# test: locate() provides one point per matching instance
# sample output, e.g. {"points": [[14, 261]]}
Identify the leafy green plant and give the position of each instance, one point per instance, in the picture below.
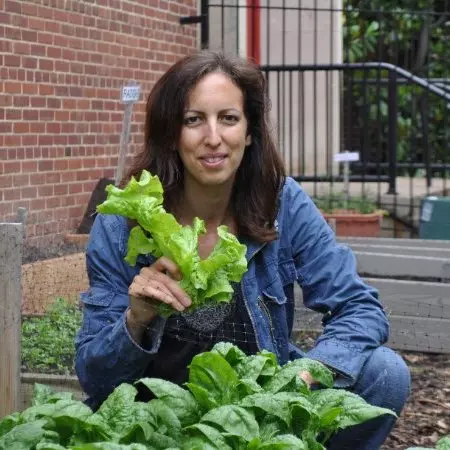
{"points": [[159, 233], [231, 402], [407, 33], [338, 202], [442, 444], [48, 341]]}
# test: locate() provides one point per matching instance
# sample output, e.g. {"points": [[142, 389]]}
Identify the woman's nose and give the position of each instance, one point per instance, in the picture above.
{"points": [[212, 137]]}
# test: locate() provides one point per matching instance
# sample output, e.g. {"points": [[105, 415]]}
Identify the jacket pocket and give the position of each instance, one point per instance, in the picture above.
{"points": [[97, 296], [101, 307]]}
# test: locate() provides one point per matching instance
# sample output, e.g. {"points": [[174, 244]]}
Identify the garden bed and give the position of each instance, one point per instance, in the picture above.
{"points": [[59, 383]]}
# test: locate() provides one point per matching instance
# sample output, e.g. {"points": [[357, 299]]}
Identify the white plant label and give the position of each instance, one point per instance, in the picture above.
{"points": [[346, 156], [130, 94]]}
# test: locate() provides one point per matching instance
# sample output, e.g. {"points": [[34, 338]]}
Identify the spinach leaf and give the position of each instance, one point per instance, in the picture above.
{"points": [[230, 352], [23, 437], [286, 379], [283, 442], [319, 372], [9, 422], [273, 404], [175, 397], [211, 372], [117, 411], [209, 436], [234, 420]]}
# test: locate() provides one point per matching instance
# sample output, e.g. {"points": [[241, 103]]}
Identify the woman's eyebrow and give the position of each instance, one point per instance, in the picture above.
{"points": [[193, 110]]}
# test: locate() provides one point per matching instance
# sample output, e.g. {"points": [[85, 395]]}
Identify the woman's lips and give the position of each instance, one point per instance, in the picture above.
{"points": [[213, 162]]}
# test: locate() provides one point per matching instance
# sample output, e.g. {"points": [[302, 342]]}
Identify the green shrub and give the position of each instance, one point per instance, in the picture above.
{"points": [[48, 341], [337, 201]]}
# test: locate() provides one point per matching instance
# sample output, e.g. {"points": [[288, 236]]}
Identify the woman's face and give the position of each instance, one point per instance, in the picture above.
{"points": [[214, 132]]}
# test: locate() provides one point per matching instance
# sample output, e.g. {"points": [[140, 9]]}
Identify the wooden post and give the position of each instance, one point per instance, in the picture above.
{"points": [[11, 237]]}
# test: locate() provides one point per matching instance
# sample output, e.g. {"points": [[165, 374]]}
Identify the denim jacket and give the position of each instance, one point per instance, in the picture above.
{"points": [[306, 252]]}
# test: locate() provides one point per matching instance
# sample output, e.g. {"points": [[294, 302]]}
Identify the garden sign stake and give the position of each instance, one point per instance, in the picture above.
{"points": [[129, 95], [346, 158]]}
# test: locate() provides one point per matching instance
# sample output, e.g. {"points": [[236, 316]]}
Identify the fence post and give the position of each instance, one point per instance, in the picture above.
{"points": [[392, 132], [11, 237]]}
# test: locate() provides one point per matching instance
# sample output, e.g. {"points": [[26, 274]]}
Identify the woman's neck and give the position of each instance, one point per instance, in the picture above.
{"points": [[210, 203]]}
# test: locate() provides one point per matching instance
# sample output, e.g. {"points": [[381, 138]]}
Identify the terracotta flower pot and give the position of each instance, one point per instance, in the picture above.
{"points": [[350, 223]]}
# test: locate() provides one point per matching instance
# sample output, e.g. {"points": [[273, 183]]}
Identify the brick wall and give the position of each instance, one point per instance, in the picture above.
{"points": [[62, 64]]}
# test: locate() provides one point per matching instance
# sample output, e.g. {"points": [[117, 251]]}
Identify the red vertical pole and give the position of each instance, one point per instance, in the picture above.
{"points": [[254, 30]]}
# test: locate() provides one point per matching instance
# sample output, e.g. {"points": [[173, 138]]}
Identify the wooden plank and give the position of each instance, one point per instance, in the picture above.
{"points": [[11, 236], [401, 250], [384, 264], [407, 298], [413, 298], [406, 333], [428, 243]]}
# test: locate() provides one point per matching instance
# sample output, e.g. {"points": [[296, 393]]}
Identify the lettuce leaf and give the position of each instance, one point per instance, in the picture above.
{"points": [[158, 233]]}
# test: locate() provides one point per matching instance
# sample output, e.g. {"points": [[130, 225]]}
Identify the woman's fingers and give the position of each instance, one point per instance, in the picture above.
{"points": [[307, 378], [151, 291], [157, 284], [165, 281], [165, 265]]}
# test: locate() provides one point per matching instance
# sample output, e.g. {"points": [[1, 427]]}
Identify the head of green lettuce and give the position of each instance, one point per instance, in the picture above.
{"points": [[159, 233]]}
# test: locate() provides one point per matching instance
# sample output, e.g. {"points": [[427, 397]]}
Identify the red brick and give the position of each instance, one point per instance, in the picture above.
{"points": [[11, 194], [45, 165], [28, 192], [12, 61], [21, 127], [11, 167], [5, 181], [29, 166], [45, 190], [13, 6], [11, 87]]}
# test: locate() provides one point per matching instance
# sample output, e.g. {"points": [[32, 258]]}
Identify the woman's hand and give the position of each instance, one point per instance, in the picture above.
{"points": [[307, 378], [155, 284]]}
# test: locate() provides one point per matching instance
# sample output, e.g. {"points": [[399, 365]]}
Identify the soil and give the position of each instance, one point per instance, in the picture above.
{"points": [[426, 416]]}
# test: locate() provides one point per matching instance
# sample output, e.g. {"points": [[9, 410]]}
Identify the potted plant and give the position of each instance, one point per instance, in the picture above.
{"points": [[351, 216]]}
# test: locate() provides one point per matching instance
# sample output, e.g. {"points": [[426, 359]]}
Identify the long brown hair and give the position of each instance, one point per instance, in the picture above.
{"points": [[261, 174]]}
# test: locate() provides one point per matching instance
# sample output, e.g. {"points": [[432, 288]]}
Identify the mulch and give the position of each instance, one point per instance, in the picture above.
{"points": [[426, 416]]}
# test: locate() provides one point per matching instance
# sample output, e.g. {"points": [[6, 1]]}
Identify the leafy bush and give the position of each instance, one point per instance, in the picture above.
{"points": [[48, 341], [334, 202], [232, 401]]}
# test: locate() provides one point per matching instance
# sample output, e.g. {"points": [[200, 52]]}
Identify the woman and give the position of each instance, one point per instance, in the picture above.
{"points": [[207, 138]]}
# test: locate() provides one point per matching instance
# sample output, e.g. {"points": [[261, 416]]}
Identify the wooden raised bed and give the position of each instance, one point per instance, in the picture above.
{"points": [[59, 383]]}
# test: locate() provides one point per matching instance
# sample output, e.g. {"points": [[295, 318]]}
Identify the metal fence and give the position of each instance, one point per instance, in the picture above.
{"points": [[360, 76]]}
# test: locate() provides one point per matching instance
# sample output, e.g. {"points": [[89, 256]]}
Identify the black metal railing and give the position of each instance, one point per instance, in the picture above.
{"points": [[396, 75]]}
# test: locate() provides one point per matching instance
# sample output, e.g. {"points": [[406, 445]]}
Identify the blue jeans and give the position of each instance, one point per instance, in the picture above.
{"points": [[384, 381]]}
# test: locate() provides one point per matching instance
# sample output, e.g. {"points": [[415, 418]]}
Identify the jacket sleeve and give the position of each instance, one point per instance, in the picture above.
{"points": [[106, 355], [353, 318]]}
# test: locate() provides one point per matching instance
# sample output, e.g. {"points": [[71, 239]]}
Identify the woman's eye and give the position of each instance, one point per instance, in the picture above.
{"points": [[192, 120], [230, 118]]}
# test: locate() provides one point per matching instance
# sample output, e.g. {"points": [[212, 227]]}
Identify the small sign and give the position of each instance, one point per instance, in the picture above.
{"points": [[130, 94], [427, 211], [346, 156]]}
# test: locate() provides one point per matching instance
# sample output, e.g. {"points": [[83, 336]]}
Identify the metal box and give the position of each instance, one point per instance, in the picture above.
{"points": [[435, 218]]}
